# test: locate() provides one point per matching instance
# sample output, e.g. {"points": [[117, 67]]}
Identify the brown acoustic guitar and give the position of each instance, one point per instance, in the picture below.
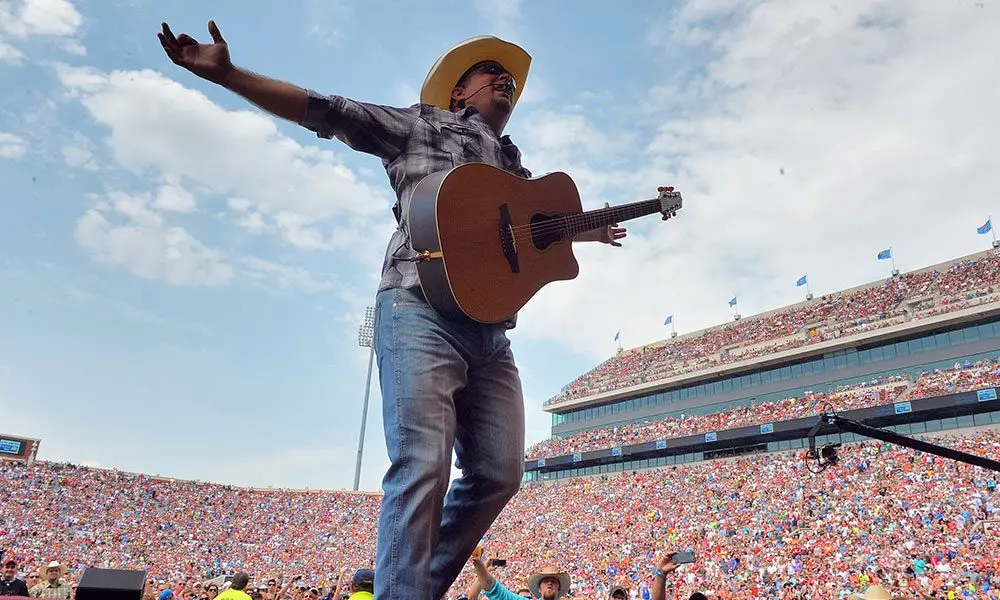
{"points": [[487, 240]]}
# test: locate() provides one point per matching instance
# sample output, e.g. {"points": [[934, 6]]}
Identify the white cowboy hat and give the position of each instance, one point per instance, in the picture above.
{"points": [[445, 73], [873, 592], [617, 588], [63, 569], [562, 576]]}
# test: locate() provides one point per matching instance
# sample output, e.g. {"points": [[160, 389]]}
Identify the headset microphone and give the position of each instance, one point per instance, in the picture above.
{"points": [[505, 87]]}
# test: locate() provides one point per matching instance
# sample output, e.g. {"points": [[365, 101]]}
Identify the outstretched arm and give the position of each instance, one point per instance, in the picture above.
{"points": [[212, 63], [379, 130]]}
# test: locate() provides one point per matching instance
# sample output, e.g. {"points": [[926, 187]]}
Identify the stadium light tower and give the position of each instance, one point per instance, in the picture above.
{"points": [[366, 334]]}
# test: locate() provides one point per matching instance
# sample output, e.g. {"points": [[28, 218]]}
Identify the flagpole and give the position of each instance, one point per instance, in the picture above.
{"points": [[993, 229]]}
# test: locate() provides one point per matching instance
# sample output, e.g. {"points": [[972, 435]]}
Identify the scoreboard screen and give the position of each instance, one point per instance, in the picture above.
{"points": [[8, 446], [15, 447]]}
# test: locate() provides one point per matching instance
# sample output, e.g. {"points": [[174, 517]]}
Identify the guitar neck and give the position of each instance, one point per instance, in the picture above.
{"points": [[602, 217]]}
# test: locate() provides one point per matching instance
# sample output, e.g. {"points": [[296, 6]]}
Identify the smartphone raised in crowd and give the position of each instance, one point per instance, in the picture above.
{"points": [[682, 558]]}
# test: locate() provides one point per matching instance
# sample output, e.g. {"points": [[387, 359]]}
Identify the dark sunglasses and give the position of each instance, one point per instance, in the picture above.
{"points": [[489, 68]]}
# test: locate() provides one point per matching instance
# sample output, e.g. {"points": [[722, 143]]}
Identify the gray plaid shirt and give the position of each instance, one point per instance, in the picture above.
{"points": [[412, 143]]}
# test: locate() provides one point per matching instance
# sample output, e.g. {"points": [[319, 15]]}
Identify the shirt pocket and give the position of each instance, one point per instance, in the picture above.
{"points": [[464, 143]]}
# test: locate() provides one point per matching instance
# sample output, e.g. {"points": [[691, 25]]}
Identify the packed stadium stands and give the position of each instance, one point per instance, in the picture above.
{"points": [[884, 390], [910, 296], [762, 526], [757, 525]]}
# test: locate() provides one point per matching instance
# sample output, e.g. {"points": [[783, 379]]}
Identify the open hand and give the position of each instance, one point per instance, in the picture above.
{"points": [[208, 61]]}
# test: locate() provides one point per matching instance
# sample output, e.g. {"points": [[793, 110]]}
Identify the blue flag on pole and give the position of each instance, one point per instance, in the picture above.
{"points": [[732, 302], [617, 335], [670, 319], [801, 282], [986, 227], [887, 253]]}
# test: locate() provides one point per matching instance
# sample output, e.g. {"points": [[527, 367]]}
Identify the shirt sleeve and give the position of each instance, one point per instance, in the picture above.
{"points": [[499, 592], [371, 128]]}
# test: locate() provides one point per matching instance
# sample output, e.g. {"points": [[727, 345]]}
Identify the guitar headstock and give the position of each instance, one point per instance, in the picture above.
{"points": [[670, 201]]}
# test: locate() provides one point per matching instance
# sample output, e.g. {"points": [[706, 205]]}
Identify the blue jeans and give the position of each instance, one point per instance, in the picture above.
{"points": [[446, 385]]}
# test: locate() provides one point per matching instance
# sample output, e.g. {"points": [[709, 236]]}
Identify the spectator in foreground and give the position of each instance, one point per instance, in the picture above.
{"points": [[237, 589], [548, 584], [478, 584], [665, 566], [10, 585], [53, 586], [873, 592], [362, 585]]}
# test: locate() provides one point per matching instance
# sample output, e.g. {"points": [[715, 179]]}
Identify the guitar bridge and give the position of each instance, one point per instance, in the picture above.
{"points": [[507, 240]]}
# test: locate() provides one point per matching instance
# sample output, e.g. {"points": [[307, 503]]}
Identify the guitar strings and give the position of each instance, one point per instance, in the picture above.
{"points": [[522, 232]]}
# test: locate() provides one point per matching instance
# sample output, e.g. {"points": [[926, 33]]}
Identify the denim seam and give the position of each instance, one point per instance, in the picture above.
{"points": [[404, 471]]}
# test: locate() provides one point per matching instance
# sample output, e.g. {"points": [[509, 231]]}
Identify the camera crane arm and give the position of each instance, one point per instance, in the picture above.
{"points": [[829, 452]]}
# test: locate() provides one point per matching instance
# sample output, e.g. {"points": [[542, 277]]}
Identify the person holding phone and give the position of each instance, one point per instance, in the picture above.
{"points": [[549, 584], [666, 565]]}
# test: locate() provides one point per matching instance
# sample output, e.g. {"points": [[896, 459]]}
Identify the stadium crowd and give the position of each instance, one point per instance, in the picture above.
{"points": [[861, 395], [909, 296], [761, 527], [877, 392]]}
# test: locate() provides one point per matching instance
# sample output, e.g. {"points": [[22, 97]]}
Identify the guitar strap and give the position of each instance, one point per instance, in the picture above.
{"points": [[397, 212]]}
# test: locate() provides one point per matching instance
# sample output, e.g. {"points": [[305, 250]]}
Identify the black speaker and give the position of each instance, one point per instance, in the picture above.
{"points": [[111, 584]]}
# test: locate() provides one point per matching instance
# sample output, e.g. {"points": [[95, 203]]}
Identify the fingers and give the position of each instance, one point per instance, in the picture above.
{"points": [[213, 29], [171, 53], [186, 40], [168, 36]]}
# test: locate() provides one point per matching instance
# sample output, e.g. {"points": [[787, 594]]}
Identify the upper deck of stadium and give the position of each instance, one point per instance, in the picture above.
{"points": [[962, 290]]}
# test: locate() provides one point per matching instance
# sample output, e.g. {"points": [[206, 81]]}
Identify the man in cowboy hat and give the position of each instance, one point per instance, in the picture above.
{"points": [[53, 586], [446, 384], [873, 592]]}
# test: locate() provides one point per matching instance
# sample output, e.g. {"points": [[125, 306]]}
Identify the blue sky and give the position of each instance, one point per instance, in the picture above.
{"points": [[167, 305]]}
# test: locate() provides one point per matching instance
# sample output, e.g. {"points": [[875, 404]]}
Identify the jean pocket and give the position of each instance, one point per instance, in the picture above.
{"points": [[409, 297]]}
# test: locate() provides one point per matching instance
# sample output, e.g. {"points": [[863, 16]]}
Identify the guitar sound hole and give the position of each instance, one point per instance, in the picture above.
{"points": [[545, 230]]}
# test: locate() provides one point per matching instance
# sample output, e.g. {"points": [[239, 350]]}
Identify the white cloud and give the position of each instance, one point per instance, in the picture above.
{"points": [[46, 17], [172, 197], [503, 16], [12, 146], [126, 231], [79, 157], [10, 54], [808, 142], [405, 94], [535, 90], [157, 126], [287, 277], [53, 18], [329, 19]]}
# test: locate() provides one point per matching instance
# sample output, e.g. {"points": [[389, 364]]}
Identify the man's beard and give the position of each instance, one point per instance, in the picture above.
{"points": [[548, 596], [503, 104]]}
